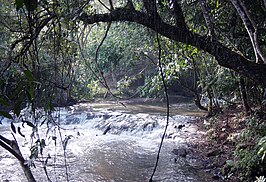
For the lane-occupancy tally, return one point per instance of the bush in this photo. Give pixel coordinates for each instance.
(250, 150)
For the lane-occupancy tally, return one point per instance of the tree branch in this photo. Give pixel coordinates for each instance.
(179, 17)
(30, 37)
(6, 144)
(109, 9)
(150, 6)
(250, 27)
(225, 56)
(7, 141)
(207, 17)
(111, 5)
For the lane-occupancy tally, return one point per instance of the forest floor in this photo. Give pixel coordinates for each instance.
(223, 133)
(217, 148)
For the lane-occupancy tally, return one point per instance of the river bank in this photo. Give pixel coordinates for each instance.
(216, 139)
(199, 150)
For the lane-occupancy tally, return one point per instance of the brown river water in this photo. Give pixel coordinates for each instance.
(126, 153)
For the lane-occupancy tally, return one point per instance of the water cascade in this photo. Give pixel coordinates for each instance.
(109, 146)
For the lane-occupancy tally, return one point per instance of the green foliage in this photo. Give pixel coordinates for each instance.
(19, 4)
(262, 147)
(154, 88)
(47, 64)
(250, 150)
(6, 114)
(37, 149)
(93, 87)
(120, 49)
(30, 5)
(124, 84)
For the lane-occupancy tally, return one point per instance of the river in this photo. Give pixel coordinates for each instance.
(126, 153)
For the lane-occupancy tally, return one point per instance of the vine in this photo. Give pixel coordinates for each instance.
(167, 105)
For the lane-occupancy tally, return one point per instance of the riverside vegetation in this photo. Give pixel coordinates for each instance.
(57, 52)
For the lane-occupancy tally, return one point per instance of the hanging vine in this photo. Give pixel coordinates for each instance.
(167, 105)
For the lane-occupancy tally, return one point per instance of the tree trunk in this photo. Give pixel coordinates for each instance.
(263, 103)
(196, 95)
(244, 97)
(210, 103)
(250, 27)
(198, 103)
(25, 167)
(12, 147)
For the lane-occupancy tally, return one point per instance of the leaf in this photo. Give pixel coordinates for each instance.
(13, 127)
(19, 131)
(43, 122)
(42, 145)
(19, 4)
(29, 75)
(3, 102)
(6, 115)
(34, 151)
(31, 5)
(65, 142)
(17, 109)
(28, 123)
(230, 163)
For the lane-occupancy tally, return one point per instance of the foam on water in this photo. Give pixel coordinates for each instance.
(127, 152)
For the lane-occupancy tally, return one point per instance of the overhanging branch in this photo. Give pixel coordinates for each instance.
(6, 144)
(225, 56)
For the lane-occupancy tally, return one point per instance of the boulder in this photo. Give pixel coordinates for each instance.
(181, 152)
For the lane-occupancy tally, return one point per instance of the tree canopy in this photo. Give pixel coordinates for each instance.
(232, 31)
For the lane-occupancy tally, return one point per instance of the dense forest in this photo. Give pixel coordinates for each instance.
(60, 52)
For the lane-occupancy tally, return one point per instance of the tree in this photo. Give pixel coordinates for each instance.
(150, 16)
(169, 19)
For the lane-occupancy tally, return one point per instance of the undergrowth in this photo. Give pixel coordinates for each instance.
(249, 162)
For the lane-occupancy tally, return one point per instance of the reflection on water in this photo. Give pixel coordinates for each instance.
(127, 153)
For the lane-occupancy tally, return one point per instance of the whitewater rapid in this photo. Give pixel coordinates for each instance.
(125, 153)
